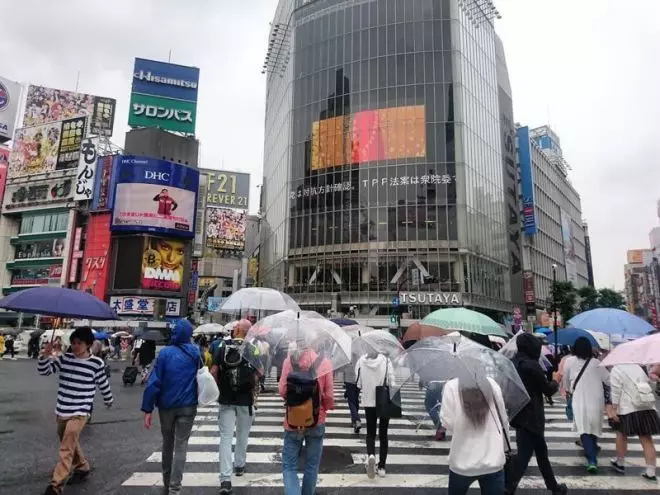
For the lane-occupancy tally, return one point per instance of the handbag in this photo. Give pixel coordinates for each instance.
(207, 388)
(510, 455)
(387, 406)
(569, 395)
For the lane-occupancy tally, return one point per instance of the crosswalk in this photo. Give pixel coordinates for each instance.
(416, 462)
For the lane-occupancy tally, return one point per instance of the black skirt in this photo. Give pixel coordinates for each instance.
(639, 423)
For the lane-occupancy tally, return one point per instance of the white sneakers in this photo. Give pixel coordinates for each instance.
(371, 467)
(381, 472)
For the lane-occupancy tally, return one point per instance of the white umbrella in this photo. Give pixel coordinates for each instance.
(604, 340)
(209, 329)
(258, 299)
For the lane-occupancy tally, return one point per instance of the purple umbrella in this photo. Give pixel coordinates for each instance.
(55, 301)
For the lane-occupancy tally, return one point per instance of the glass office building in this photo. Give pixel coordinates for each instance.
(383, 167)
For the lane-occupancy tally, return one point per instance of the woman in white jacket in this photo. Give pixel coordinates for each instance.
(470, 413)
(632, 415)
(373, 370)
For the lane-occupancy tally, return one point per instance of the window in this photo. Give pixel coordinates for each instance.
(35, 224)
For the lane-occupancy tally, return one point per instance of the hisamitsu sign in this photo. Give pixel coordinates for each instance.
(432, 298)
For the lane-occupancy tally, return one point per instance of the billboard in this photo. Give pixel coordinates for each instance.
(230, 189)
(154, 195)
(164, 113)
(73, 132)
(40, 249)
(569, 246)
(42, 192)
(369, 135)
(95, 262)
(86, 169)
(636, 256)
(526, 181)
(42, 275)
(50, 105)
(10, 95)
(225, 228)
(132, 305)
(167, 80)
(163, 262)
(35, 150)
(103, 191)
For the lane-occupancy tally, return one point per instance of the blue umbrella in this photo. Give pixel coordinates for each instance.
(543, 330)
(612, 322)
(343, 322)
(55, 301)
(568, 336)
(101, 336)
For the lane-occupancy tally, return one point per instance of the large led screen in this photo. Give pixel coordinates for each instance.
(370, 135)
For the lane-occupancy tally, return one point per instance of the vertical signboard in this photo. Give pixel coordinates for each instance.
(569, 246)
(103, 187)
(530, 295)
(10, 95)
(4, 168)
(526, 181)
(200, 217)
(86, 169)
(95, 263)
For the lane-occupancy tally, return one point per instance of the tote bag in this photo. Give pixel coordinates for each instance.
(387, 406)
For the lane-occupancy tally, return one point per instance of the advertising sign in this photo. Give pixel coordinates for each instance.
(4, 169)
(636, 256)
(225, 228)
(94, 278)
(370, 135)
(200, 218)
(40, 249)
(38, 193)
(529, 291)
(86, 169)
(35, 150)
(167, 80)
(227, 188)
(43, 275)
(155, 196)
(132, 305)
(163, 263)
(164, 113)
(172, 307)
(526, 181)
(73, 131)
(50, 105)
(103, 183)
(10, 95)
(213, 303)
(569, 247)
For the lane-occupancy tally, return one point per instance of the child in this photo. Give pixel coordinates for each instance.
(80, 373)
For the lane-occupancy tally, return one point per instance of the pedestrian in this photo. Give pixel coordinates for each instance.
(352, 393)
(587, 386)
(80, 374)
(146, 356)
(432, 404)
(475, 416)
(633, 413)
(374, 370)
(530, 421)
(264, 356)
(237, 378)
(306, 386)
(172, 388)
(2, 345)
(9, 347)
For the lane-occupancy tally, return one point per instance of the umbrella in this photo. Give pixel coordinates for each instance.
(258, 299)
(445, 358)
(497, 340)
(36, 333)
(376, 341)
(604, 340)
(568, 336)
(543, 330)
(612, 322)
(644, 351)
(464, 320)
(11, 331)
(101, 335)
(121, 333)
(510, 349)
(210, 329)
(55, 301)
(301, 330)
(419, 331)
(343, 322)
(152, 335)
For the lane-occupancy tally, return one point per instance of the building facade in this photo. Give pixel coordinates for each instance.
(383, 171)
(554, 233)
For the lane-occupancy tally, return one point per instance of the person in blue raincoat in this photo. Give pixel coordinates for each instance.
(172, 388)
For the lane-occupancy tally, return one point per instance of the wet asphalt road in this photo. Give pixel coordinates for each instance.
(115, 443)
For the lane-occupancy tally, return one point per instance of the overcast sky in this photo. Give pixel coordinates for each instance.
(588, 67)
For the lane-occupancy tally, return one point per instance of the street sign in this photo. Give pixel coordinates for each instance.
(395, 301)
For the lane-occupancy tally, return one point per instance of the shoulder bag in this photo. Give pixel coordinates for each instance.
(387, 406)
(207, 388)
(569, 395)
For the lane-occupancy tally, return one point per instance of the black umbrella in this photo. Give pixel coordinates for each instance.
(152, 335)
(36, 334)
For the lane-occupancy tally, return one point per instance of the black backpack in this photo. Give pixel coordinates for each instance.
(237, 376)
(303, 396)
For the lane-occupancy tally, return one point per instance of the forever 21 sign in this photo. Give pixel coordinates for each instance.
(23, 195)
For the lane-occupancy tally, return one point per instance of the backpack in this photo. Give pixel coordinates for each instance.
(236, 375)
(303, 396)
(642, 395)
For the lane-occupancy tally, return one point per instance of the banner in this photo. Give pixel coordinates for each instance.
(132, 305)
(35, 150)
(86, 169)
(98, 245)
(73, 132)
(200, 220)
(526, 181)
(103, 183)
(50, 105)
(163, 262)
(569, 246)
(635, 256)
(4, 169)
(225, 228)
(230, 189)
(154, 195)
(10, 95)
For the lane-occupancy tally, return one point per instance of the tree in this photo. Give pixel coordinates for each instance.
(564, 296)
(588, 298)
(608, 298)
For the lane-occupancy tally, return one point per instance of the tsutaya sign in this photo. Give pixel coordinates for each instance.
(434, 298)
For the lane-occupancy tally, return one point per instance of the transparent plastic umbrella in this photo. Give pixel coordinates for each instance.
(376, 342)
(445, 358)
(209, 329)
(258, 299)
(510, 349)
(298, 331)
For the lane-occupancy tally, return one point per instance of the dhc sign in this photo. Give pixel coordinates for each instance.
(432, 298)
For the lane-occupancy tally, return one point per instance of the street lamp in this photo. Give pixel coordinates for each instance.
(554, 306)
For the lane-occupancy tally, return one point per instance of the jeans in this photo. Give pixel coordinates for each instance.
(589, 443)
(352, 394)
(490, 484)
(432, 401)
(230, 419)
(175, 426)
(372, 419)
(528, 444)
(293, 443)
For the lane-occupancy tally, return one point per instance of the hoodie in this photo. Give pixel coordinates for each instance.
(526, 361)
(173, 379)
(370, 373)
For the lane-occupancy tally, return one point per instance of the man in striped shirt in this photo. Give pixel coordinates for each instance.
(80, 374)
